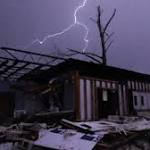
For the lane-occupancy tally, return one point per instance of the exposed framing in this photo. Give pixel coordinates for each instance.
(15, 63)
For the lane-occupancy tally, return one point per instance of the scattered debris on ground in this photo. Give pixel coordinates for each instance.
(114, 133)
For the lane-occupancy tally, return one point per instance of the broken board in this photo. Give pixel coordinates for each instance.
(63, 139)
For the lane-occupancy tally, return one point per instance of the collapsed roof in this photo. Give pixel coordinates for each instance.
(88, 69)
(24, 65)
(15, 63)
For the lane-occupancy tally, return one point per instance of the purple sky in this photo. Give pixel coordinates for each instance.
(22, 21)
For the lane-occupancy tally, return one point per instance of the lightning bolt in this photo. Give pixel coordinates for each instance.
(76, 22)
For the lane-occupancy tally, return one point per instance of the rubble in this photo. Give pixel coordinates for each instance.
(70, 124)
(114, 133)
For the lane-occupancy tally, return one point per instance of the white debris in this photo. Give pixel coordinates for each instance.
(6, 146)
(67, 140)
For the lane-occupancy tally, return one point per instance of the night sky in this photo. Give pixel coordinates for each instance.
(23, 21)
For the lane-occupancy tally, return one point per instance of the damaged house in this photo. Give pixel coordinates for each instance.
(89, 90)
(94, 91)
(38, 90)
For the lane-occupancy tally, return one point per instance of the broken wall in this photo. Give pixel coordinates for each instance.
(27, 103)
(7, 97)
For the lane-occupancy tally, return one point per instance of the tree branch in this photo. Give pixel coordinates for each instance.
(109, 36)
(109, 21)
(109, 45)
(87, 55)
(93, 19)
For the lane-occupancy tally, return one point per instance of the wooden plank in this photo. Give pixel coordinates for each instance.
(125, 99)
(121, 110)
(72, 125)
(96, 101)
(92, 99)
(85, 99)
(77, 95)
(82, 101)
(89, 100)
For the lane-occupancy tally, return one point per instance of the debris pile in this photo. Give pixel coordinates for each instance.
(114, 133)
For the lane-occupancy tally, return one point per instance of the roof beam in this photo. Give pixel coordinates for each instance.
(8, 67)
(4, 63)
(32, 53)
(17, 70)
(30, 72)
(25, 61)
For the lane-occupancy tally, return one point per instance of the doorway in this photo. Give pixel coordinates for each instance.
(108, 103)
(131, 109)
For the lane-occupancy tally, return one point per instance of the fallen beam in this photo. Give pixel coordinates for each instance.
(72, 125)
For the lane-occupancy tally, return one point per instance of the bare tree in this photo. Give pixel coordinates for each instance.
(104, 35)
(105, 40)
